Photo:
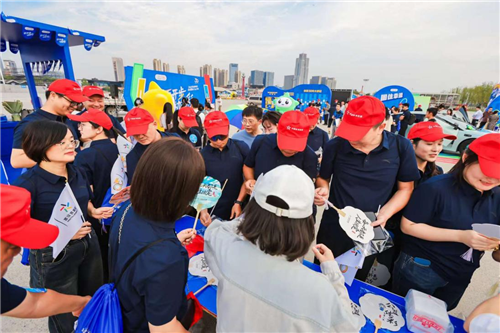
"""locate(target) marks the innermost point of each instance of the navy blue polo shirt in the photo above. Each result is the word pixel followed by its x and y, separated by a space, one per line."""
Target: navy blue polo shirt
pixel 427 174
pixel 45 189
pixel 192 136
pixel 364 181
pixel 12 296
pixel 37 116
pixel 135 154
pixel 226 164
pixel 317 139
pixel 152 288
pixel 443 202
pixel 97 161
pixel 265 156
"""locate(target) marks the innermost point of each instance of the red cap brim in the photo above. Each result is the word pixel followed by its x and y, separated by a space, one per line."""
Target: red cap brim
pixel 223 130
pixel 291 143
pixel 137 130
pixel 34 235
pixel 79 118
pixel 489 168
pixel 190 122
pixel 351 132
pixel 77 98
pixel 435 137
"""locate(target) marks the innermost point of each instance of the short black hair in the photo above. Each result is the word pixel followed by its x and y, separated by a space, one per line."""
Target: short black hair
pixel 272 116
pixel 276 235
pixel 252 110
pixel 195 103
pixel 406 104
pixel 433 111
pixel 40 136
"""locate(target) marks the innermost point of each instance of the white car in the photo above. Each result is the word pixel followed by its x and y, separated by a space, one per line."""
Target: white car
pixel 454 125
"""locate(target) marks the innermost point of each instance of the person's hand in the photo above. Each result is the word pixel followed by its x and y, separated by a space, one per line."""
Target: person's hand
pixel 78 312
pixel 235 211
pixel 320 196
pixel 205 218
pixel 186 236
pixel 85 229
pixel 249 184
pixel 102 213
pixel 402 117
pixel 323 253
pixel 478 241
pixel 381 220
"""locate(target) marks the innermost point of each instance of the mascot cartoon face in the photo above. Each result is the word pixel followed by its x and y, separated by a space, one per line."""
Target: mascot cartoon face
pixel 285 103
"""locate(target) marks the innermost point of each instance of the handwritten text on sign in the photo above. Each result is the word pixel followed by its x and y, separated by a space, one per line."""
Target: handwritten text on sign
pixel 356 225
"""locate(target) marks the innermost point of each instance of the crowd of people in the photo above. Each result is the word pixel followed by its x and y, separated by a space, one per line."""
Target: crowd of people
pixel 277 170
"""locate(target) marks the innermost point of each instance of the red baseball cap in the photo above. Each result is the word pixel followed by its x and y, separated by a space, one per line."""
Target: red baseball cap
pixel 362 113
pixel 188 116
pixel 137 121
pixel 90 91
pixel 96 116
pixel 428 131
pixel 487 149
pixel 18 228
pixel 293 130
pixel 216 123
pixel 68 88
pixel 312 114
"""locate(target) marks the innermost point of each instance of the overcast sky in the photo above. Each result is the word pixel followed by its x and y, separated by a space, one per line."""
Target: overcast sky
pixel 427 47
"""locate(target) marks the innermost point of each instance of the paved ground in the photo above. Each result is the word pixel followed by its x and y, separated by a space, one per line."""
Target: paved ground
pixel 483 279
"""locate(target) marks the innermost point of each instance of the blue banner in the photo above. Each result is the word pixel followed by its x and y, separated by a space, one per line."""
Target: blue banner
pixel 395 95
pixel 3 46
pixel 87 43
pixel 304 94
pixel 28 32
pixel 14 48
pixel 45 35
pixel 61 39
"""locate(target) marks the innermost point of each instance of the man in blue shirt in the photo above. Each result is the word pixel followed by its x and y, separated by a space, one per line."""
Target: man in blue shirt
pixel 142 126
pixel 224 159
pixel 404 119
pixel 288 146
pixel 63 96
pixel 252 121
pixel 185 126
pixel 364 167
pixel 317 138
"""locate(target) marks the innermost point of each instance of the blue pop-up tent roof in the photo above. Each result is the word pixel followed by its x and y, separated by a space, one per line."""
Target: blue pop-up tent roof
pixel 43 47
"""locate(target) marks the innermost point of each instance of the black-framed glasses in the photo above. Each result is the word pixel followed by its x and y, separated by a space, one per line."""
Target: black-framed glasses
pixel 71 103
pixel 218 137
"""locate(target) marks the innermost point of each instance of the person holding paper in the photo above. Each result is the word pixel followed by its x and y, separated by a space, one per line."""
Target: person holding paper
pixel 20 230
pixel 440 251
pixel 224 159
pixel 142 126
pixel 256 259
pixel 152 289
pixel 364 167
pixel 427 139
pixel 97 161
pixel 77 270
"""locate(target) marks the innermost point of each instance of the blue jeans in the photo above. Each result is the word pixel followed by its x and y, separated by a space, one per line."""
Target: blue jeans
pixel 77 270
pixel 408 274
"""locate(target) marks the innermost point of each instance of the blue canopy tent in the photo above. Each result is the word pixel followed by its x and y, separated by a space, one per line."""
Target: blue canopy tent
pixel 42 46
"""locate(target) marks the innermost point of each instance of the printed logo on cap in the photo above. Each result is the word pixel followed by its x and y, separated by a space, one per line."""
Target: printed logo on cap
pixel 353 114
pixel 294 129
pixel 215 120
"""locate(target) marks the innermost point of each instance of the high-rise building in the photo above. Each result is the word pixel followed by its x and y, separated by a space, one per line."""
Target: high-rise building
pixel 225 77
pixel 221 77
pixel 206 70
pixel 118 69
pixel 315 80
pixel 288 84
pixel 157 64
pixel 268 79
pixel 330 82
pixel 301 69
pixel 233 68
pixel 181 69
pixel 166 67
pixel 256 78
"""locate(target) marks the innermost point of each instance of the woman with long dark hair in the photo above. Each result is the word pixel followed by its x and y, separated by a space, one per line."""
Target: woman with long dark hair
pixel 77 270
pixel 427 139
pixel 441 251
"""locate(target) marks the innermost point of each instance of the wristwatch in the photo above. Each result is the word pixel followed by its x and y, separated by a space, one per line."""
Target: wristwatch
pixel 238 202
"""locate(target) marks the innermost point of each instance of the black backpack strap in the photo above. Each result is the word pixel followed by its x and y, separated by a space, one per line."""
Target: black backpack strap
pixel 138 253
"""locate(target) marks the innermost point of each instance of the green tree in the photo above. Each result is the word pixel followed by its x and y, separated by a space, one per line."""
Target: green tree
pixel 475 95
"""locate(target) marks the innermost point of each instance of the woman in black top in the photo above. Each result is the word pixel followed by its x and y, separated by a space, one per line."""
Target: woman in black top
pixel 77 270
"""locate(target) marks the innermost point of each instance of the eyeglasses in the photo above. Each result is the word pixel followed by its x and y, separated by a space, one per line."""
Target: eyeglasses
pixel 249 122
pixel 71 103
pixel 218 137
pixel 66 144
